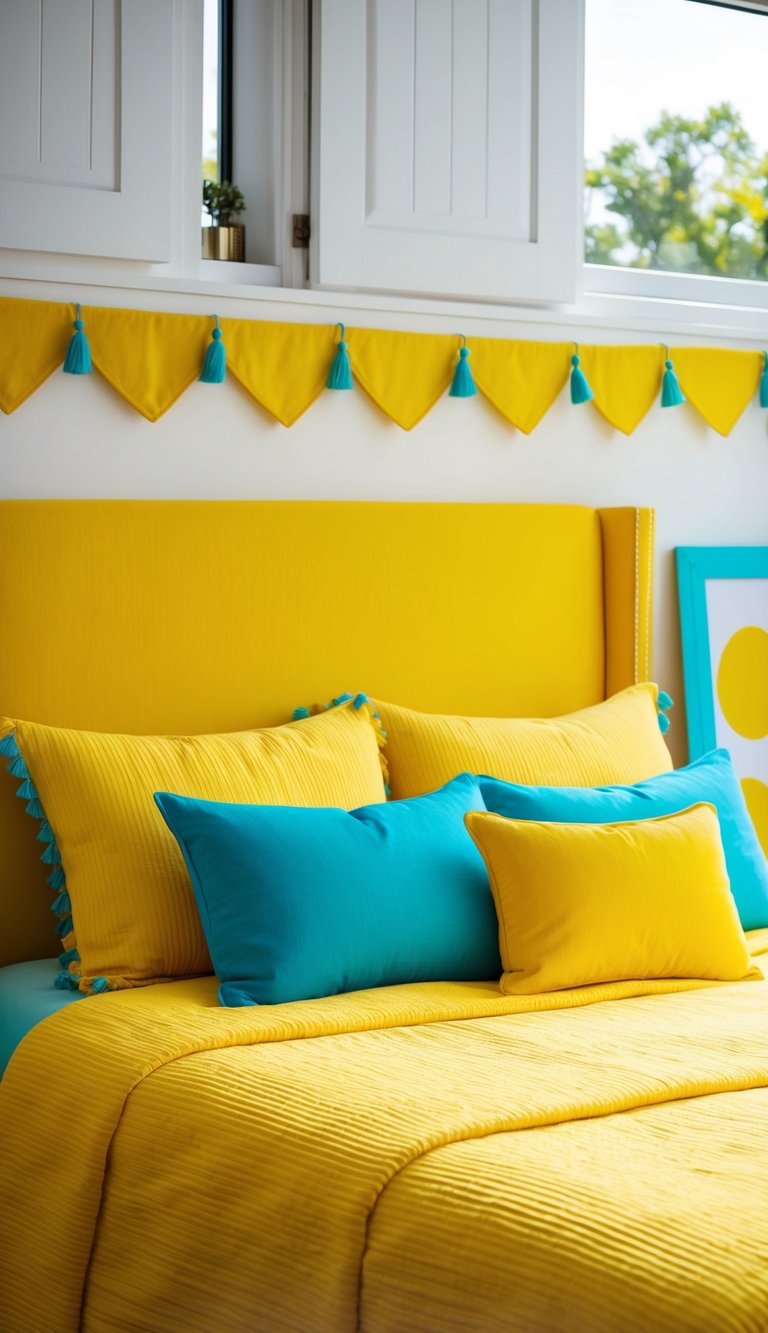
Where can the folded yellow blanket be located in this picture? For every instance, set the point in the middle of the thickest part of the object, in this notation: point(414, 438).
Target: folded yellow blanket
point(357, 1162)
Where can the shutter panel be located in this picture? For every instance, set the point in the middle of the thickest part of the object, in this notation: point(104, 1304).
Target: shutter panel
point(85, 126)
point(449, 147)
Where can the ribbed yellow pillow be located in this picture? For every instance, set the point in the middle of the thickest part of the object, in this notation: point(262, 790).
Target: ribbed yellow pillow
point(580, 904)
point(132, 907)
point(615, 741)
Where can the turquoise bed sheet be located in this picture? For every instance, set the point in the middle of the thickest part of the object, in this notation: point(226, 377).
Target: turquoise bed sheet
point(27, 995)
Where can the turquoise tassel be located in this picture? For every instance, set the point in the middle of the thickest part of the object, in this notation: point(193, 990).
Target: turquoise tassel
point(8, 747)
point(99, 986)
point(35, 808)
point(61, 906)
point(340, 699)
point(463, 385)
point(665, 700)
point(50, 856)
point(65, 980)
point(57, 879)
point(17, 768)
point(580, 390)
point(46, 833)
point(299, 713)
point(63, 927)
point(67, 957)
point(663, 723)
point(671, 393)
point(215, 366)
point(78, 358)
point(764, 383)
point(27, 790)
point(340, 373)
point(358, 701)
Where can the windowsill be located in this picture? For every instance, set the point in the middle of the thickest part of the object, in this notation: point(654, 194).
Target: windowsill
point(227, 273)
point(645, 317)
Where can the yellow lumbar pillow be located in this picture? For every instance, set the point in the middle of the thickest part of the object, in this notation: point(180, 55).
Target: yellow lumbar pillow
point(133, 914)
point(580, 904)
point(615, 741)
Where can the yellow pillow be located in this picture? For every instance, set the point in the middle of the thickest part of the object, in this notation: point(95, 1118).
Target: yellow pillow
point(133, 914)
point(580, 904)
point(615, 741)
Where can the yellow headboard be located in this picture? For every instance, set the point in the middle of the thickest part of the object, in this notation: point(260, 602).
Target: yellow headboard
point(186, 616)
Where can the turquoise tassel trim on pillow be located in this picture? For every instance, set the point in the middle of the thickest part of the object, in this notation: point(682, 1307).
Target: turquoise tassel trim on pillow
point(17, 768)
point(764, 382)
point(671, 393)
point(65, 981)
point(340, 373)
point(215, 365)
point(61, 905)
point(580, 387)
point(358, 701)
point(78, 358)
point(664, 703)
point(463, 385)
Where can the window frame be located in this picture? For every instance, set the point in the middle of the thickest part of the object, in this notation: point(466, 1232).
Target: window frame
point(673, 287)
point(678, 288)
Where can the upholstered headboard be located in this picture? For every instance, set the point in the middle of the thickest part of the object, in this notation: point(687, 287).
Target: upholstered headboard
point(186, 616)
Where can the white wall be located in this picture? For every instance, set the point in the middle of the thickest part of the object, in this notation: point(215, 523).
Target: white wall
point(76, 438)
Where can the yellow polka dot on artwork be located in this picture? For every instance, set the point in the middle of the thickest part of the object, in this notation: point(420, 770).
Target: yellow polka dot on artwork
point(742, 682)
point(756, 797)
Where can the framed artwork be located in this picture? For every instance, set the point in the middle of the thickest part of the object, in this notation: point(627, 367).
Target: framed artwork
point(723, 595)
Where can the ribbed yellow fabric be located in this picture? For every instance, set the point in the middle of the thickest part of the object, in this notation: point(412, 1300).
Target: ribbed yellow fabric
point(585, 903)
point(216, 1169)
point(615, 741)
point(649, 1222)
point(134, 913)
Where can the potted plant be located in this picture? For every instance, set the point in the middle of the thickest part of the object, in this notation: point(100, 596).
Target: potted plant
point(225, 238)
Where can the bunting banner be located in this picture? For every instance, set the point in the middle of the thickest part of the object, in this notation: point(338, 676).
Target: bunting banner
point(151, 358)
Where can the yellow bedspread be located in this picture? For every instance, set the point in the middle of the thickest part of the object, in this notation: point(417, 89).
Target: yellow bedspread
point(435, 1157)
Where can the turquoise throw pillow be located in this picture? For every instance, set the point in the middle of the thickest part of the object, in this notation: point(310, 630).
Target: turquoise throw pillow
point(711, 778)
point(298, 903)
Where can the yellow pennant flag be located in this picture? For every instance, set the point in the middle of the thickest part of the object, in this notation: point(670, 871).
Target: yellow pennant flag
point(149, 358)
point(718, 381)
point(34, 336)
point(283, 366)
point(626, 381)
point(521, 379)
point(404, 373)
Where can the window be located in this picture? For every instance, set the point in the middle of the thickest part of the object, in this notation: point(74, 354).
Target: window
point(676, 149)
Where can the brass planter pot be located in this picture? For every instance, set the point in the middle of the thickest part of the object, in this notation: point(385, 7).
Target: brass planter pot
point(224, 243)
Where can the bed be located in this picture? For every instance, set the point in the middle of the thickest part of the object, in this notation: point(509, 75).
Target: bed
point(425, 1156)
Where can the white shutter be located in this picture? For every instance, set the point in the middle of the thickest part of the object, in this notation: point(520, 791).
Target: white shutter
point(448, 147)
point(85, 126)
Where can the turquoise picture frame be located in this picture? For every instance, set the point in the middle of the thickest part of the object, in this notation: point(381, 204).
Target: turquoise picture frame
point(696, 564)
